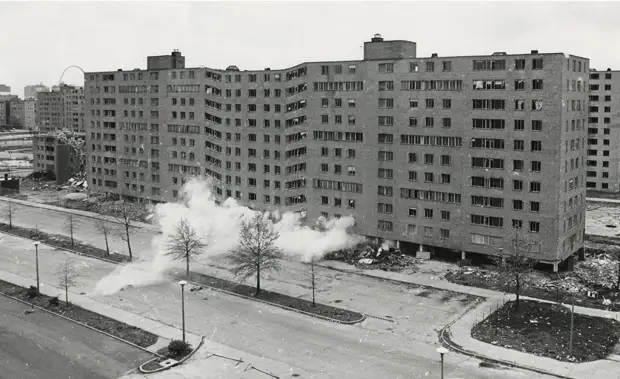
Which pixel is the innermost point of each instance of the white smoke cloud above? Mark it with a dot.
(219, 226)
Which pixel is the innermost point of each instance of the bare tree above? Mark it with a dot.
(256, 252)
(9, 212)
(104, 227)
(124, 212)
(66, 274)
(71, 224)
(516, 263)
(184, 243)
(313, 278)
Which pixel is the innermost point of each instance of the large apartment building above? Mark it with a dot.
(434, 153)
(603, 155)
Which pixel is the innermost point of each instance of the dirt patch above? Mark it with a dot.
(543, 329)
(116, 328)
(277, 298)
(553, 292)
(61, 242)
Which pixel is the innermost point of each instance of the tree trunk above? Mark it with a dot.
(313, 302)
(107, 246)
(128, 242)
(67, 296)
(518, 291)
(187, 264)
(257, 280)
(71, 226)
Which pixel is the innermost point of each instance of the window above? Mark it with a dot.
(534, 226)
(413, 67)
(517, 205)
(534, 206)
(444, 234)
(430, 103)
(519, 64)
(537, 84)
(428, 213)
(386, 67)
(413, 103)
(534, 186)
(387, 226)
(446, 65)
(446, 122)
(447, 103)
(519, 125)
(519, 85)
(430, 66)
(536, 145)
(536, 125)
(445, 215)
(537, 64)
(386, 86)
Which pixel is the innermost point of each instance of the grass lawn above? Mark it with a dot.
(116, 328)
(543, 329)
(276, 298)
(62, 242)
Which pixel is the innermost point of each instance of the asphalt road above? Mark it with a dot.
(42, 346)
(374, 349)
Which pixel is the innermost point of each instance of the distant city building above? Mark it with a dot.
(61, 108)
(22, 114)
(5, 88)
(30, 92)
(438, 154)
(603, 155)
(5, 109)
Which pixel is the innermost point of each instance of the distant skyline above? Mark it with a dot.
(41, 39)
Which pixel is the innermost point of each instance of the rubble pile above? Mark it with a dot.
(601, 271)
(75, 185)
(374, 256)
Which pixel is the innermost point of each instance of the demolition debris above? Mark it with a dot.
(374, 256)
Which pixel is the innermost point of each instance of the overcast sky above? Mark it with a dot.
(40, 39)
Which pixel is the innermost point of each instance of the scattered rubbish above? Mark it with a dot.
(195, 289)
(610, 226)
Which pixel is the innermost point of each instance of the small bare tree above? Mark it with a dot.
(66, 274)
(184, 243)
(9, 212)
(104, 227)
(256, 252)
(71, 225)
(313, 279)
(515, 264)
(125, 213)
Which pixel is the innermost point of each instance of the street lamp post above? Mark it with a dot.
(183, 283)
(36, 249)
(442, 350)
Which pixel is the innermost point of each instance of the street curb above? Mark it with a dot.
(447, 342)
(202, 340)
(325, 318)
(82, 324)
